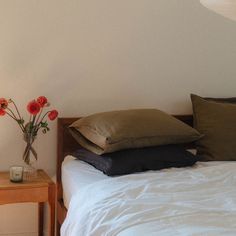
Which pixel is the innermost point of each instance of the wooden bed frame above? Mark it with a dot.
(66, 145)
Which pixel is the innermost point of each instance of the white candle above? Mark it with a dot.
(16, 174)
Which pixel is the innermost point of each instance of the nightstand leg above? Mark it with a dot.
(40, 218)
(51, 201)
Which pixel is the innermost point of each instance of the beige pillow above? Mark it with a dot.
(117, 130)
(217, 121)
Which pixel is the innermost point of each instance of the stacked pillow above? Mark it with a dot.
(216, 119)
(138, 159)
(123, 142)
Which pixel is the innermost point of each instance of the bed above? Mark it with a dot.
(199, 200)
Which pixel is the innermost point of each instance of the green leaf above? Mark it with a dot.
(44, 124)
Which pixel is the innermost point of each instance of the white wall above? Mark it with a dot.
(88, 56)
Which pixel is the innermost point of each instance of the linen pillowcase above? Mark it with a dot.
(222, 100)
(138, 160)
(217, 121)
(117, 130)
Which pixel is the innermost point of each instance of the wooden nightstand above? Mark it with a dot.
(40, 190)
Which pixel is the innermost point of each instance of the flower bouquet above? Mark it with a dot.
(37, 121)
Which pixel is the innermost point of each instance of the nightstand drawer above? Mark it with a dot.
(24, 195)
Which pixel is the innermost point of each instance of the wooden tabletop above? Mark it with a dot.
(41, 180)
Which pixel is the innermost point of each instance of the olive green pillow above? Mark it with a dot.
(112, 131)
(217, 122)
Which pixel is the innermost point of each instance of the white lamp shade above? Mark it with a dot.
(226, 8)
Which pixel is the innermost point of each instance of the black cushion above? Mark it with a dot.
(138, 160)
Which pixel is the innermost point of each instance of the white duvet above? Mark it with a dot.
(188, 201)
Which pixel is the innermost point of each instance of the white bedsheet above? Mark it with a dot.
(200, 200)
(76, 175)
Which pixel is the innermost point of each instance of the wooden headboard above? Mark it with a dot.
(66, 144)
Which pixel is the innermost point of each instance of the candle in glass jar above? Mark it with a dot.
(16, 174)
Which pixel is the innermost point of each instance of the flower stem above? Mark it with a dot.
(11, 112)
(33, 122)
(39, 123)
(44, 116)
(36, 123)
(16, 109)
(15, 120)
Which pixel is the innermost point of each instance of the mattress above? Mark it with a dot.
(77, 175)
(199, 200)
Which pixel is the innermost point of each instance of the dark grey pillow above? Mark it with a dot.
(137, 160)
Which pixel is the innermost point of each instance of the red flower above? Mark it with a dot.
(2, 112)
(52, 115)
(33, 108)
(3, 103)
(42, 101)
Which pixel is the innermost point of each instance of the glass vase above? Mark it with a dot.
(29, 157)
